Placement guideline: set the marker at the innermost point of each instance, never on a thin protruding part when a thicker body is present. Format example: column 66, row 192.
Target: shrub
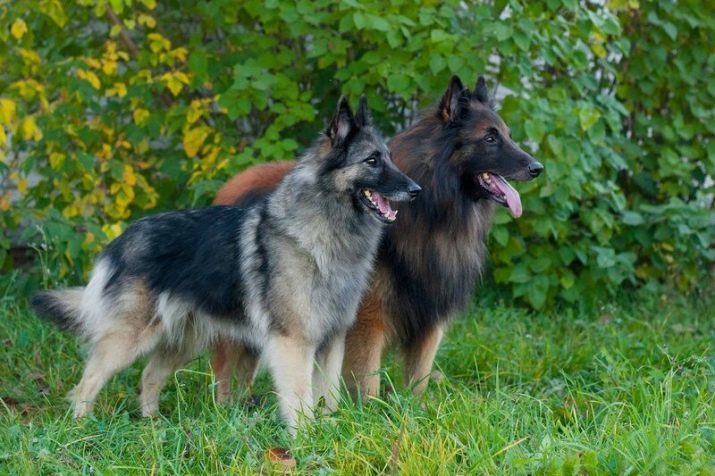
column 114, row 109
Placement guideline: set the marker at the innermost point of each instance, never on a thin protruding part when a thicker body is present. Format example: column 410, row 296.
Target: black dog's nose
column 535, row 169
column 414, row 190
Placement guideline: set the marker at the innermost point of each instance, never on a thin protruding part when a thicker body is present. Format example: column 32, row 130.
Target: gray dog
column 282, row 276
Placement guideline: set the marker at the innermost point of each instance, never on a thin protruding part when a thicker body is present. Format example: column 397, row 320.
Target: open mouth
column 378, row 204
column 501, row 192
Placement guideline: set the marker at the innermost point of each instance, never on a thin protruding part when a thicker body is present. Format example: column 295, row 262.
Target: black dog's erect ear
column 481, row 93
column 450, row 107
column 362, row 118
column 342, row 124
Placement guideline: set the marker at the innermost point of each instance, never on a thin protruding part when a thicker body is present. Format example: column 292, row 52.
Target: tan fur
column 227, row 358
column 257, row 177
column 326, row 374
column 291, row 362
column 419, row 358
column 364, row 346
column 131, row 335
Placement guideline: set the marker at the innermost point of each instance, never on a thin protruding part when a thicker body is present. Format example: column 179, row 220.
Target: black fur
column 47, row 306
column 191, row 253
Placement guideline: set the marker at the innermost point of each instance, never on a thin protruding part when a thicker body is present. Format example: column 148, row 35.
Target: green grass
column 626, row 390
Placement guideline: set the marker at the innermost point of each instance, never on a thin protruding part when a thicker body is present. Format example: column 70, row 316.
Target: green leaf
column 438, row 36
column 501, row 235
column 398, row 83
column 537, row 291
column 437, row 63
column 535, row 129
column 587, row 116
column 86, row 160
column 632, row 218
column 522, row 40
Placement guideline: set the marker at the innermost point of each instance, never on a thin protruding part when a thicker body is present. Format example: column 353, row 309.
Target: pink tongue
column 511, row 195
column 382, row 204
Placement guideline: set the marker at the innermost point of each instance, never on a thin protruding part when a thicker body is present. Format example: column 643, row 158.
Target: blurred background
column 111, row 110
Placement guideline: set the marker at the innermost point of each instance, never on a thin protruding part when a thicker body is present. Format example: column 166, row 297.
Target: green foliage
column 114, row 109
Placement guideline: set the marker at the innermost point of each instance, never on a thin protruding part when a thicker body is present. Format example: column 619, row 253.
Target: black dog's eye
column 490, row 139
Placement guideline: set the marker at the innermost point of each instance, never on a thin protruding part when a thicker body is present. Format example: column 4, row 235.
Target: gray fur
column 305, row 255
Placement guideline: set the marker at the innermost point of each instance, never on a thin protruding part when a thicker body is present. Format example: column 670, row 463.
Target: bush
column 115, row 109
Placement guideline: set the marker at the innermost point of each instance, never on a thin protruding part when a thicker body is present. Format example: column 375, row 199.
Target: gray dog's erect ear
column 342, row 124
column 452, row 105
column 363, row 117
column 481, row 93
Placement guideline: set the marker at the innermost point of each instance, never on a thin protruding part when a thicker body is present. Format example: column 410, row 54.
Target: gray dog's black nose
column 535, row 169
column 414, row 190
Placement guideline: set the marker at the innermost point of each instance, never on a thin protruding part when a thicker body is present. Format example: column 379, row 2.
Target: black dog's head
column 359, row 163
column 484, row 151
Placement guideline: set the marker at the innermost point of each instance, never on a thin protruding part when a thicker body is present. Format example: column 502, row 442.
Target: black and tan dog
column 461, row 153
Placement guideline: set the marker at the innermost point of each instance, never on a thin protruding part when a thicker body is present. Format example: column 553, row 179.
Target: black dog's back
column 191, row 254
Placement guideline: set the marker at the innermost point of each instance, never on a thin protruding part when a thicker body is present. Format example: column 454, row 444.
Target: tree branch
column 123, row 35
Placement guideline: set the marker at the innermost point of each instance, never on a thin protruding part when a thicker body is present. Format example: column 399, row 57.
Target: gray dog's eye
column 372, row 160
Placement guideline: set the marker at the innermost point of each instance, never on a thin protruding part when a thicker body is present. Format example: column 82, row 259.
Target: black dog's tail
column 61, row 307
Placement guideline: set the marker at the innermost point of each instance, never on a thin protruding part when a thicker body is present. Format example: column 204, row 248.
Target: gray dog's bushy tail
column 61, row 307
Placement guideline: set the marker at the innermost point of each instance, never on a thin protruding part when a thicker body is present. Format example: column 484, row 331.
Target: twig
column 123, row 35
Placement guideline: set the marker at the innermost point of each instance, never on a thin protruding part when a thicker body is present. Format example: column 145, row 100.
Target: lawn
column 626, row 389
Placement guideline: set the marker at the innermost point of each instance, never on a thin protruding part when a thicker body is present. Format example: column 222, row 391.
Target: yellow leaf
column 195, row 111
column 146, row 20
column 158, row 43
column 93, row 63
column 3, row 136
column 56, row 160
column 112, row 231
column 90, row 77
column 30, row 57
column 19, row 28
column 22, row 185
column 28, row 88
column 29, row 129
column 5, row 202
column 7, row 111
column 53, row 9
column 119, row 89
column 142, row 147
column 175, row 81
column 210, row 158
column 194, row 139
column 140, row 115
column 106, row 152
column 599, row 50
column 129, row 177
column 109, row 67
column 71, row 211
column 180, row 53
column 150, row 4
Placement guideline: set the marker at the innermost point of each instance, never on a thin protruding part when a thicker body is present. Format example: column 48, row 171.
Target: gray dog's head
column 356, row 163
